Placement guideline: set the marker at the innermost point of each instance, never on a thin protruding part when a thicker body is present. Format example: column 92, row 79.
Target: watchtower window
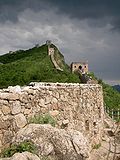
column 80, row 67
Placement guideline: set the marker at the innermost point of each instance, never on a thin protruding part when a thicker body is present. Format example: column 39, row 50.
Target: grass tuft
column 43, row 119
column 19, row 148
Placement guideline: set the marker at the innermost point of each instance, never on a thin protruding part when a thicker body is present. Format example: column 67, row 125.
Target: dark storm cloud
column 10, row 9
column 80, row 9
column 91, row 9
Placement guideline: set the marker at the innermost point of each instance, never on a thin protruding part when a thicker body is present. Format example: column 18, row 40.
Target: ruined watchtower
column 79, row 66
column 48, row 42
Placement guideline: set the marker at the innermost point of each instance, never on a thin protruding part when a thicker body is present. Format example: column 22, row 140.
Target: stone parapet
column 74, row 106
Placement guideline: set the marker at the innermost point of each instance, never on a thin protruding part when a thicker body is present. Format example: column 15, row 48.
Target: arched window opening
column 80, row 67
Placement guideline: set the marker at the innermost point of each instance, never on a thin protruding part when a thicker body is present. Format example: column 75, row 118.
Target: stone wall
column 51, row 53
column 74, row 106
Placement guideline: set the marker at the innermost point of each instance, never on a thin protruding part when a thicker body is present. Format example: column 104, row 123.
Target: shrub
column 48, row 158
column 22, row 147
column 43, row 119
column 97, row 146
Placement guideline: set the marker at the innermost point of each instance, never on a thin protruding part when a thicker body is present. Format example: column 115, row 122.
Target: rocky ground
column 110, row 146
column 53, row 142
column 23, row 156
column 109, row 150
column 60, row 144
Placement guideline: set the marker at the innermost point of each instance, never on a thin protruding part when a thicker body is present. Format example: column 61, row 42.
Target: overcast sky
column 81, row 29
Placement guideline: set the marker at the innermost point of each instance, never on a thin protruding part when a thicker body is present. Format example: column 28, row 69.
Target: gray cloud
column 82, row 37
column 91, row 9
column 80, row 9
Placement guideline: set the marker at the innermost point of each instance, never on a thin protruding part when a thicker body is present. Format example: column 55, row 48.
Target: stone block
column 4, row 124
column 54, row 113
column 27, row 111
column 16, row 107
column 6, row 110
column 8, row 135
column 9, row 96
column 20, row 120
column 65, row 122
column 42, row 102
column 47, row 100
column 3, row 102
column 15, row 89
column 54, row 100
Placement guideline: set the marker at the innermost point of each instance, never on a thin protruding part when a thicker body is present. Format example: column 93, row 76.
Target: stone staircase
column 55, row 63
column 51, row 53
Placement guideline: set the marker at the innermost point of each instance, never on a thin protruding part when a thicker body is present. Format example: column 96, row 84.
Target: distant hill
column 110, row 95
column 117, row 87
column 24, row 66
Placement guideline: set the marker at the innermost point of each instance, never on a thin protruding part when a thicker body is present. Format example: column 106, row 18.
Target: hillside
column 116, row 87
column 25, row 66
column 111, row 96
column 22, row 67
